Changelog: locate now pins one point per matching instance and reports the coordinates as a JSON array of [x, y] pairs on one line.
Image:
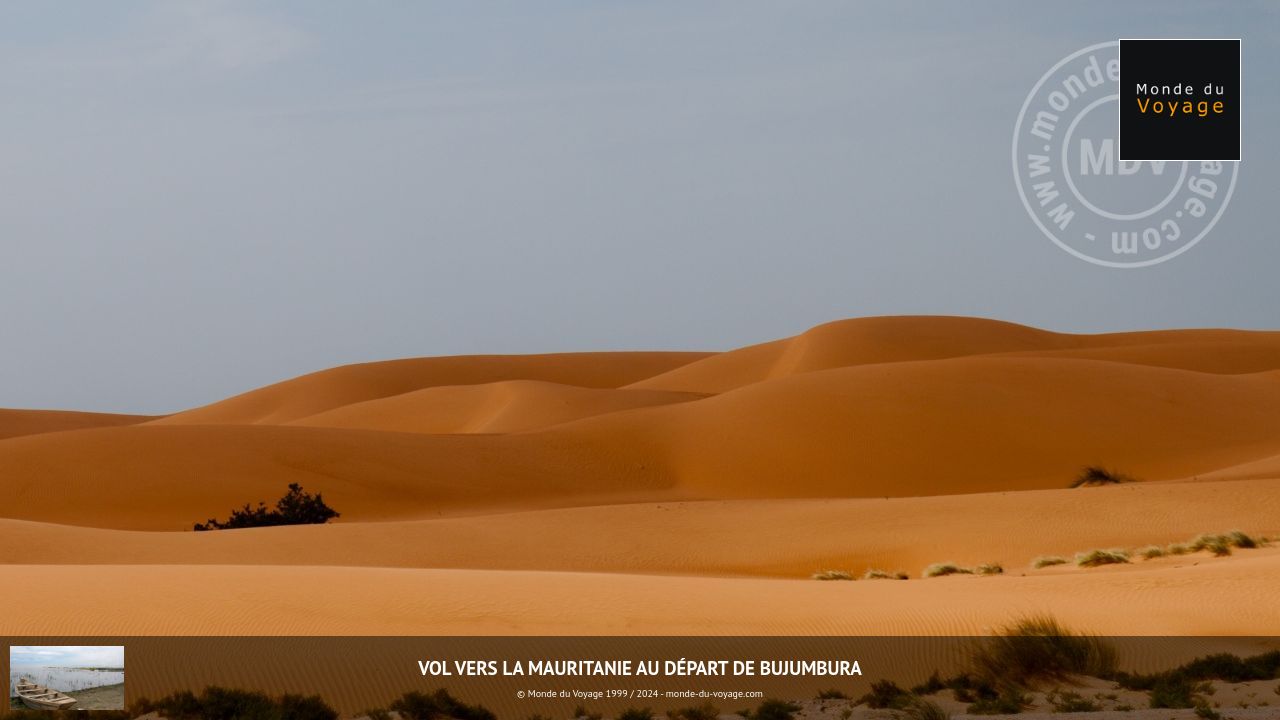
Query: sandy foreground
[[672, 493]]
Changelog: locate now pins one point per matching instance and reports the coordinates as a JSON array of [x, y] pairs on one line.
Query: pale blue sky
[[67, 655], [203, 197]]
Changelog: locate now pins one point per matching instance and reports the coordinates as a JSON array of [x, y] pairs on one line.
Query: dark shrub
[[295, 508], [636, 714], [1097, 475], [1038, 648], [1009, 702], [886, 694]]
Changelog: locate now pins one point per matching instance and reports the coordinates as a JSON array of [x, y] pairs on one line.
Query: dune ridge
[[531, 492]]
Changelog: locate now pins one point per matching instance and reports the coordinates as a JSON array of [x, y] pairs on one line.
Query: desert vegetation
[[876, 574], [1219, 544], [1100, 557], [216, 703], [297, 507], [1095, 475]]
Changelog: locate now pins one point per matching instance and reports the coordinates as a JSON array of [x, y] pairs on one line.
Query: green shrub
[[1151, 552], [886, 694], [1045, 561], [1219, 545], [1039, 648], [1096, 558], [875, 574], [990, 569], [1173, 691], [926, 710], [295, 508], [946, 568]]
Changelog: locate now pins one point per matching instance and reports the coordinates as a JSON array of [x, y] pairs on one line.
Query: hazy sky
[[68, 655], [203, 197]]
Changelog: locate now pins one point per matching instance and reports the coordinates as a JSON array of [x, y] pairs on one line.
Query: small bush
[[1242, 540], [295, 508], [946, 568], [1095, 475], [582, 713], [1173, 691], [1009, 702], [1151, 552], [934, 684], [1039, 648], [832, 575], [886, 694], [1096, 558], [875, 574], [926, 710], [1178, 549], [1219, 545], [1045, 561], [775, 710], [990, 569], [1207, 713], [1066, 701], [832, 694], [636, 714]]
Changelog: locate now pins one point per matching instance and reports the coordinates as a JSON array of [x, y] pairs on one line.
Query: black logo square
[[1180, 99]]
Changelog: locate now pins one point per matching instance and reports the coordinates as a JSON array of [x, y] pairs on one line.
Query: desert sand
[[673, 493]]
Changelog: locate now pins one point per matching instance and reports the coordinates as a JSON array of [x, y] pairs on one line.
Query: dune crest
[[501, 407], [668, 493]]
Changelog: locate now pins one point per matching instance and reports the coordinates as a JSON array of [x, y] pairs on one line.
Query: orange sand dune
[[942, 427], [656, 493], [165, 477], [328, 389], [962, 425], [16, 423], [502, 407], [865, 341], [767, 538], [1259, 353], [290, 600]]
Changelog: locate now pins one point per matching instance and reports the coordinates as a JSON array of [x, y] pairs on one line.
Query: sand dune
[[502, 407], [328, 389], [17, 423], [865, 341], [274, 600], [650, 493], [761, 538], [945, 427]]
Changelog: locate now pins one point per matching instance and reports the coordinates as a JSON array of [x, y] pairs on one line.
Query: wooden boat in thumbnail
[[38, 697]]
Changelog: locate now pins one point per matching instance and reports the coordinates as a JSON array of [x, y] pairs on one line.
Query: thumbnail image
[[66, 677]]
